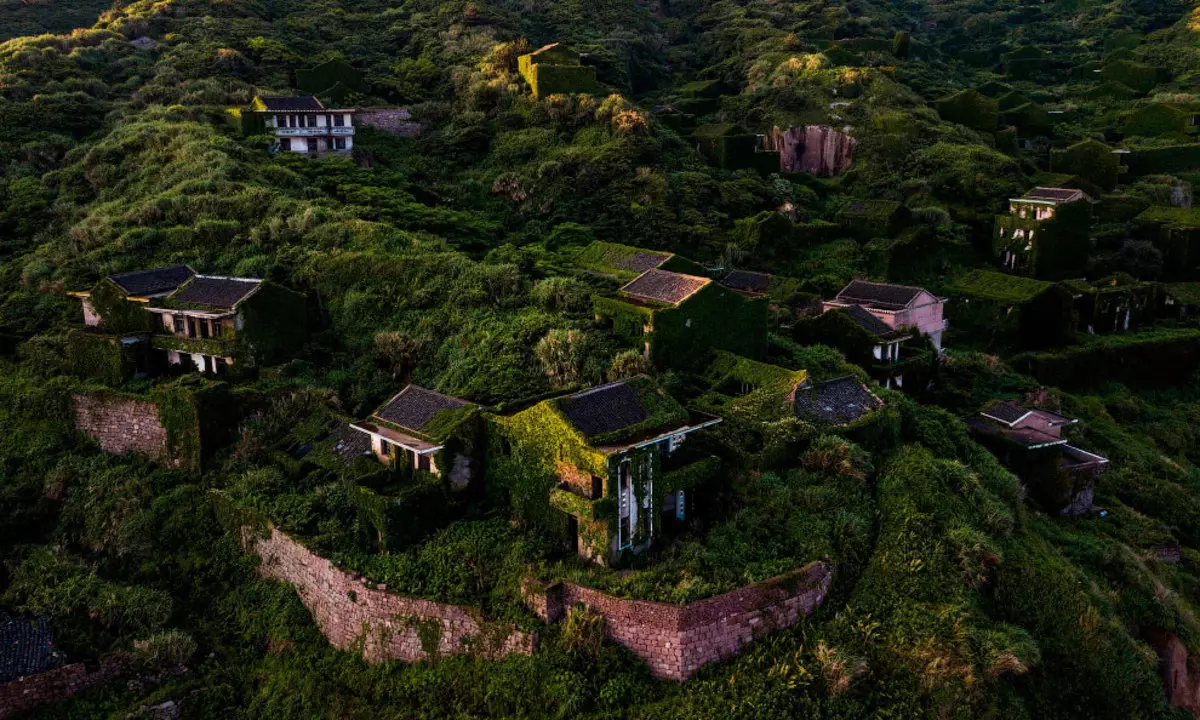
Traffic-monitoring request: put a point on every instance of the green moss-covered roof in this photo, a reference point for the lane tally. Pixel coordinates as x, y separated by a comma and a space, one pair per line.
1171, 216
621, 260
998, 287
1187, 293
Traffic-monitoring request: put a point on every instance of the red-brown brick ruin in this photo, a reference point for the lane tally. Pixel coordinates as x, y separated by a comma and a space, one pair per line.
677, 640
26, 693
122, 425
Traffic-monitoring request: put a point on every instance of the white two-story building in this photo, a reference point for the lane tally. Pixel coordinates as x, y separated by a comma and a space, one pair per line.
302, 124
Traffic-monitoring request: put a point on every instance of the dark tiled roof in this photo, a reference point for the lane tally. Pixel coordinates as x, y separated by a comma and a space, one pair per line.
1005, 412
664, 287
414, 407
349, 444
871, 293
1029, 437
277, 103
641, 262
836, 402
605, 409
867, 321
142, 283
216, 292
26, 648
747, 281
1054, 194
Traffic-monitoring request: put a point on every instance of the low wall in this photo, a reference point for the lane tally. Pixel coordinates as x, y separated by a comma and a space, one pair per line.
122, 425
677, 640
397, 121
349, 610
26, 693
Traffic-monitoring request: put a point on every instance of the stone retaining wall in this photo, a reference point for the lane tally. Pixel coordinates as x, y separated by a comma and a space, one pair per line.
397, 121
26, 693
122, 425
677, 640
349, 610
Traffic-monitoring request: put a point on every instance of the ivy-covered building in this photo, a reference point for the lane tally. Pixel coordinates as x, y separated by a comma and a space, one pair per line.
426, 430
1030, 442
873, 218
733, 147
556, 69
1007, 311
212, 322
1046, 234
606, 467
301, 124
675, 319
895, 306
1175, 231
866, 341
115, 304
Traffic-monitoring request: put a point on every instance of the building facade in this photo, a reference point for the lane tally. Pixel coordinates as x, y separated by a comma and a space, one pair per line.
896, 306
304, 125
1046, 234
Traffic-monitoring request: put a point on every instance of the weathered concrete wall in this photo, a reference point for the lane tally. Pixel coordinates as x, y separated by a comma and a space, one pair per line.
397, 121
677, 640
391, 627
122, 425
26, 693
816, 149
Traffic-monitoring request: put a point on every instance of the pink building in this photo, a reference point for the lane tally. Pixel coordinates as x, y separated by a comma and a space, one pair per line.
897, 306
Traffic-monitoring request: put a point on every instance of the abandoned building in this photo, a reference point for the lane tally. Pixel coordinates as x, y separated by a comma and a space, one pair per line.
302, 124
674, 319
733, 147
1046, 233
751, 284
896, 306
618, 467
556, 69
867, 219
1030, 442
837, 403
106, 306
212, 322
426, 430
26, 648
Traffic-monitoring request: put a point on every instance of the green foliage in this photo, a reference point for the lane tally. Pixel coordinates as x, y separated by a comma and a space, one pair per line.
321, 79
970, 108
1092, 160
1141, 78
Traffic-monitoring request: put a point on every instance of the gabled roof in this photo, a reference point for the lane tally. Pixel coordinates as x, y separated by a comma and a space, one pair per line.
413, 408
291, 103
216, 293
1056, 195
836, 402
1009, 414
26, 648
662, 286
605, 409
610, 257
156, 281
883, 295
867, 321
747, 281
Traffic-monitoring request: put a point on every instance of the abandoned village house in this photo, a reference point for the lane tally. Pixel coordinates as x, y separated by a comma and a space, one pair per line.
897, 307
302, 124
1046, 233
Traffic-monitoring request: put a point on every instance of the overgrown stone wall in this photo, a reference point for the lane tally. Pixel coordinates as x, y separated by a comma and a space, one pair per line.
677, 640
349, 610
26, 693
122, 425
397, 121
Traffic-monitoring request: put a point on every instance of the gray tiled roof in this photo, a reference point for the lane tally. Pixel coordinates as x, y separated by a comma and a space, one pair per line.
605, 409
26, 648
747, 281
1005, 412
143, 283
835, 402
867, 321
664, 287
1054, 194
414, 407
216, 292
278, 103
884, 294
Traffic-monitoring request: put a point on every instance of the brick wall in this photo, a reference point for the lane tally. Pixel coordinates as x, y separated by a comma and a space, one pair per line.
122, 425
31, 691
397, 121
391, 627
677, 640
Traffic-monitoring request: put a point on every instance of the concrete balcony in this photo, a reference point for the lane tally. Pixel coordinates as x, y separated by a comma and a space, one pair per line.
313, 131
335, 130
